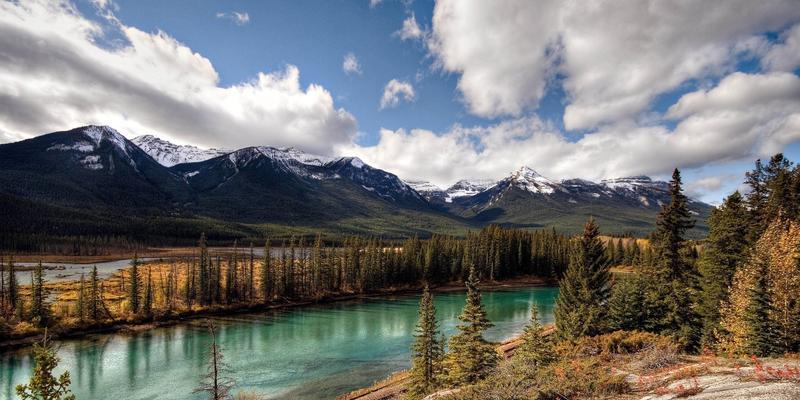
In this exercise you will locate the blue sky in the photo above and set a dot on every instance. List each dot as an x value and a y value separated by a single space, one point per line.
616 89
315 36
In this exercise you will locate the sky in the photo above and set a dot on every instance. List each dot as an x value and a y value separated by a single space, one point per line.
429 90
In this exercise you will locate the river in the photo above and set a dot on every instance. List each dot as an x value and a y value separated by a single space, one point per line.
313 352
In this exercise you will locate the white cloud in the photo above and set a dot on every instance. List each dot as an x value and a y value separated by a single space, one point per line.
238 18
393 92
717 125
54 76
350 65
498 48
374 3
708 184
410 29
615 56
785 56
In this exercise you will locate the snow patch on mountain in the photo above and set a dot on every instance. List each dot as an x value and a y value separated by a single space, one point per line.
468 187
91 162
83 147
168 154
423 187
356 162
628 183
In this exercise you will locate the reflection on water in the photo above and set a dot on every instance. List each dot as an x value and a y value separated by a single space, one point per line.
302 353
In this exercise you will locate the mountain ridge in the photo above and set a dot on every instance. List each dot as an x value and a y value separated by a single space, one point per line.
285 189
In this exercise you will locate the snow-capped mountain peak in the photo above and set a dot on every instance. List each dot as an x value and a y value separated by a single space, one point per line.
169 154
529 180
468 187
93 135
423 187
100 133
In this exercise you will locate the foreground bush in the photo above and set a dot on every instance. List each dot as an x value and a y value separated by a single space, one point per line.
585 368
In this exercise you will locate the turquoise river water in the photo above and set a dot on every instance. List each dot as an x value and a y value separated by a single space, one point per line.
314 352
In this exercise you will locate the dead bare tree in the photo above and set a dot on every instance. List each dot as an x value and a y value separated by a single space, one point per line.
217 382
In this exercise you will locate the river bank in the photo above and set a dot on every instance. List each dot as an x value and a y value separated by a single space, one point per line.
149 252
708 376
177 317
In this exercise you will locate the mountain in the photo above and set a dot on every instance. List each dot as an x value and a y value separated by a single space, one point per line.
93 181
462 188
527 199
168 154
92 166
267 184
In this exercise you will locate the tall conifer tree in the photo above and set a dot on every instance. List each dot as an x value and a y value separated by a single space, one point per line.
471 357
94 295
536 350
725 249
582 304
134 290
426 350
39 307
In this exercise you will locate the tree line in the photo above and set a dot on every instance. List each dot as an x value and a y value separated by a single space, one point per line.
289 270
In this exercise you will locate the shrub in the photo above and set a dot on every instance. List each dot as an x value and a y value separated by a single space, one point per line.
580 378
247 395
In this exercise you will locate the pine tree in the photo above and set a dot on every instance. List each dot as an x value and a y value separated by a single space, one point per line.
13 289
188 288
626 306
134 291
426 350
778 177
267 275
620 253
471 357
43 385
582 304
672 223
316 266
756 202
205 287
250 276
147 305
39 306
94 295
81 306
725 249
672 282
536 350
761 337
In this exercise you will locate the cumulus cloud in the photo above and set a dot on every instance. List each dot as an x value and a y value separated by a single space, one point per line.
394 91
54 76
721 124
350 64
410 29
784 56
614 56
238 18
708 184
